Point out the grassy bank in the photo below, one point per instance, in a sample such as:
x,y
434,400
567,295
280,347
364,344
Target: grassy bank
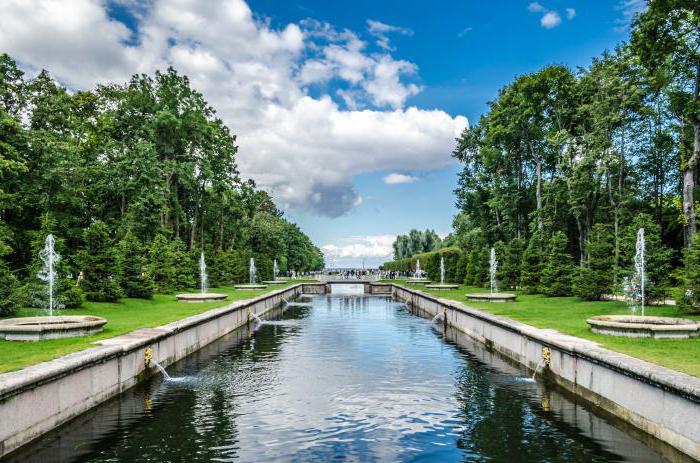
x,y
568,315
122,317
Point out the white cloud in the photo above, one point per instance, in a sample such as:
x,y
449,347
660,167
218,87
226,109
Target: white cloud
x,y
373,249
535,7
629,9
380,31
305,150
396,178
550,20
464,31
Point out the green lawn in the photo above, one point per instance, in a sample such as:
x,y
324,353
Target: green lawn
x,y
568,315
122,317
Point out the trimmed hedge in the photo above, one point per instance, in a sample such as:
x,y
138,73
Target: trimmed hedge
x,y
430,263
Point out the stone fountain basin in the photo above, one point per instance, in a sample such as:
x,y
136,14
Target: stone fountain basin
x,y
444,287
249,287
633,326
40,328
201,297
418,281
491,297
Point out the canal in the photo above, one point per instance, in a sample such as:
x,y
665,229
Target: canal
x,y
343,378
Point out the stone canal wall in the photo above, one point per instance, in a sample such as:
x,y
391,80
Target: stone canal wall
x,y
661,402
41,397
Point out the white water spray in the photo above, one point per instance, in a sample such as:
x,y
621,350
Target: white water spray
x,y
49,257
203,273
275,270
639,265
493,268
418,270
162,370
442,270
251,271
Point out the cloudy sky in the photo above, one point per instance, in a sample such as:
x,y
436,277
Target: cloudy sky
x,y
345,111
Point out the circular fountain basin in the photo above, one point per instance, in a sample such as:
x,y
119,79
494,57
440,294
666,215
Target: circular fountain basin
x,y
418,281
632,326
275,282
40,328
249,287
442,287
491,297
201,297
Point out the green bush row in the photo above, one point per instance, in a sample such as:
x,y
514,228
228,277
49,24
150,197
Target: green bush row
x,y
430,263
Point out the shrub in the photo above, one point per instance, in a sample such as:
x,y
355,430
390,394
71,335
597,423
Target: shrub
x,y
430,263
72,297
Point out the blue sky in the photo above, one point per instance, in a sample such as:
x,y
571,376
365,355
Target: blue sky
x,y
465,51
346,112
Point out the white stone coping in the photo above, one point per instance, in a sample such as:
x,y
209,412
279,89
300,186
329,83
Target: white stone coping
x,y
670,380
14,382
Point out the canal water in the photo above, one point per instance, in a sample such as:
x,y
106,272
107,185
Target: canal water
x,y
346,378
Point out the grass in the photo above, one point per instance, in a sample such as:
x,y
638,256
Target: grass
x,y
568,315
122,317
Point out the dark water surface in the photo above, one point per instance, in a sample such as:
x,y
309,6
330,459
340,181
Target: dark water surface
x,y
348,378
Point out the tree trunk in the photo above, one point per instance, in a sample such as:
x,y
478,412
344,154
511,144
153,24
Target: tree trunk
x,y
689,170
538,188
689,188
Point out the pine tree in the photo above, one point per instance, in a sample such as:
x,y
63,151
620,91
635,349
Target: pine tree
x,y
170,265
559,269
134,280
596,277
533,263
477,267
690,275
98,263
8,284
510,266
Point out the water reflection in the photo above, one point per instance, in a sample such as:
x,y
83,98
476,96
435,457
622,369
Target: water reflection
x,y
348,377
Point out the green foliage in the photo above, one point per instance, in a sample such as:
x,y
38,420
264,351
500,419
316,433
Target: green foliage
x,y
98,264
132,263
510,262
170,267
71,296
558,271
477,273
596,277
533,263
149,157
8,288
657,256
416,242
430,263
690,275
